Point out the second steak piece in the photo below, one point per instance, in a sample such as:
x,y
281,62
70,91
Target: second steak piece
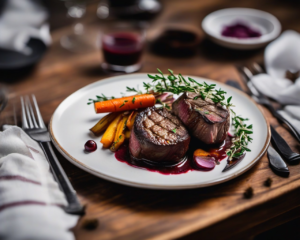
x,y
158,136
207,121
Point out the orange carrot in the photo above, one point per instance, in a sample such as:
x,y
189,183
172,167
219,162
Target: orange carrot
x,y
125,103
131,119
201,153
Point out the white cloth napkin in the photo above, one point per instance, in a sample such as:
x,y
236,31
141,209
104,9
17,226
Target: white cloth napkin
x,y
30,199
21,20
281,55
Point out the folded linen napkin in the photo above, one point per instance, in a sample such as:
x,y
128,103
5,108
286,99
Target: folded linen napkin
x,y
30,200
281,55
21,20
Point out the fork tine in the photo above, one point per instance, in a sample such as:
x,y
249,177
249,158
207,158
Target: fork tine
x,y
15,114
31,112
24,119
37,110
257,68
28,113
248,73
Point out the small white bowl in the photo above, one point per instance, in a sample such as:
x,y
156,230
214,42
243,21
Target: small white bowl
x,y
267,24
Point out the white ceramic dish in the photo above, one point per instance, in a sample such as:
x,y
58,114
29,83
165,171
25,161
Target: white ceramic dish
x,y
266,23
70,124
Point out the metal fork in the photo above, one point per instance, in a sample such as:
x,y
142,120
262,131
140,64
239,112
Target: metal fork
x,y
263,100
281,145
37,130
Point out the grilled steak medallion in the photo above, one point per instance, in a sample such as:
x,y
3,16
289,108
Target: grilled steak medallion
x,y
207,121
158,136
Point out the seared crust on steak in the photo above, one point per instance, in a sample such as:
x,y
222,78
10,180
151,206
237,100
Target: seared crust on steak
x,y
158,136
206,120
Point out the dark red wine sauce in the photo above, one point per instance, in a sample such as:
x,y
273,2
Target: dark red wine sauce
x,y
216,151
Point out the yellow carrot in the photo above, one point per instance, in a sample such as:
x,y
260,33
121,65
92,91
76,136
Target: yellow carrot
x,y
127,134
120,134
109,134
103,123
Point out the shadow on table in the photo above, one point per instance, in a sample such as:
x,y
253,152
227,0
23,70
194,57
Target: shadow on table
x,y
217,53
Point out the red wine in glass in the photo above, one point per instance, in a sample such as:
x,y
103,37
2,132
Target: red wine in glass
x,y
122,48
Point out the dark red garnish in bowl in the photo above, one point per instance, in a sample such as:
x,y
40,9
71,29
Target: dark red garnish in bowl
x,y
240,30
90,146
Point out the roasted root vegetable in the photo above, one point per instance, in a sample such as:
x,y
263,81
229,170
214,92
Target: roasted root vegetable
x,y
103,123
201,153
131,119
109,134
125,103
120,134
127,134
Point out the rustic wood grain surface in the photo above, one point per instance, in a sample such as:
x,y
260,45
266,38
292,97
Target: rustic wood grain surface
x,y
219,212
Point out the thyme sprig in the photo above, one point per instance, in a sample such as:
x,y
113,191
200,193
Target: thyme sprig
x,y
100,99
178,84
241,139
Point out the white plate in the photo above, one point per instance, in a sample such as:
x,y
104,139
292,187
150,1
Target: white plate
x,y
266,23
73,118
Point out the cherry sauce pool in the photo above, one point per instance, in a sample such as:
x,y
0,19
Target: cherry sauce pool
x,y
216,151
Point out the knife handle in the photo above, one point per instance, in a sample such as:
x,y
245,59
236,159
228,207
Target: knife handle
x,y
283,148
276,162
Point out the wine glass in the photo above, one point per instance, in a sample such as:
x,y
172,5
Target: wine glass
x,y
122,44
77,40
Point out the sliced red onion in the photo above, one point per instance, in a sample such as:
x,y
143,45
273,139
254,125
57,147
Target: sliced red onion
x,y
204,163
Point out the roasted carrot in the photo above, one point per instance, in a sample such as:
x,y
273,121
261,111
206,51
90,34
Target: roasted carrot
x,y
103,123
131,119
125,103
109,134
201,153
127,134
120,134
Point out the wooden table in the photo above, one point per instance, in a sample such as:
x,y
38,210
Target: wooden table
x,y
219,212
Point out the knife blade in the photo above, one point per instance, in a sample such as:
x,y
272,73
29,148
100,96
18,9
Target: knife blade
x,y
283,148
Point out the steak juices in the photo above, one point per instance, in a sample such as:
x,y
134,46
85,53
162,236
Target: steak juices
x,y
161,137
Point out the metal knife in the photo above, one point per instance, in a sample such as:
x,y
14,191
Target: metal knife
x,y
274,159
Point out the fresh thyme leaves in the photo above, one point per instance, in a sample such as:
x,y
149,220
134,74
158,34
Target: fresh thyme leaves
x,y
131,89
179,84
174,130
163,104
133,100
241,139
125,101
100,99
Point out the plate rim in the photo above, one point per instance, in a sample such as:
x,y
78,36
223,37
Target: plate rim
x,y
160,186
